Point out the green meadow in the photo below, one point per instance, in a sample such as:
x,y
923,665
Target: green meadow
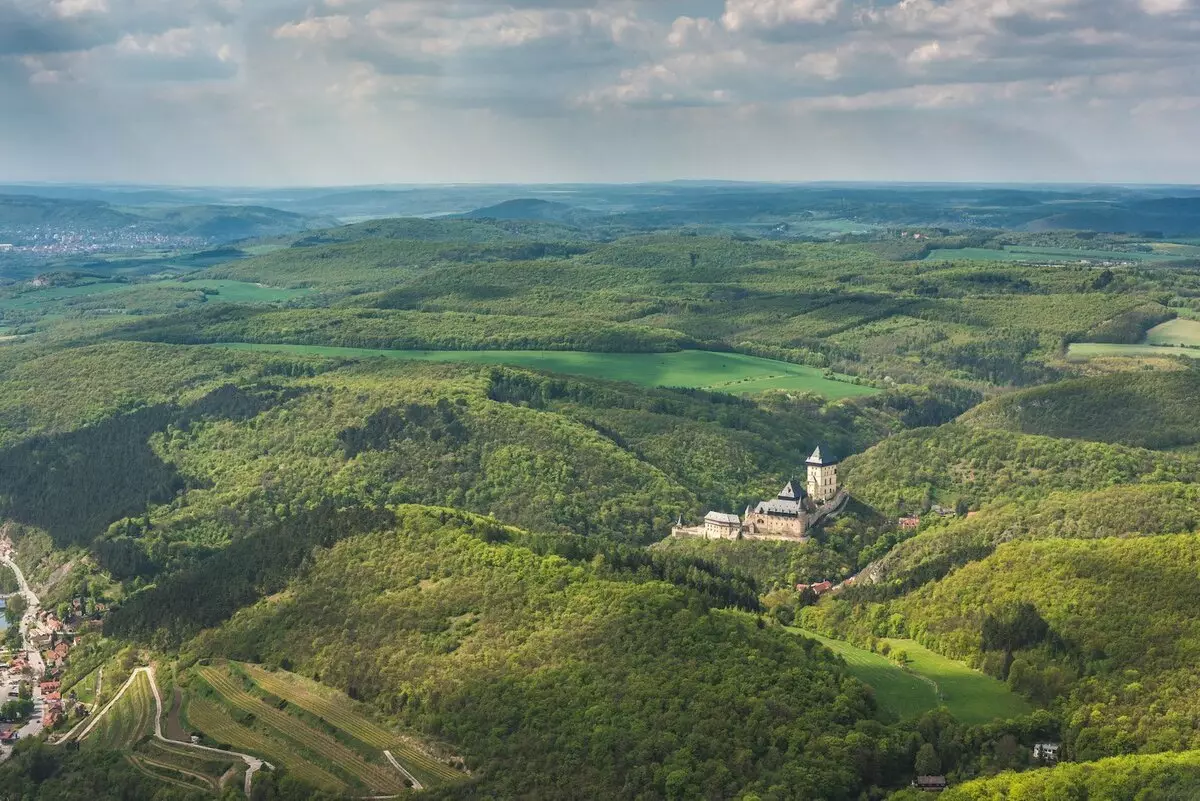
x,y
1092,350
696,369
1179,331
931,680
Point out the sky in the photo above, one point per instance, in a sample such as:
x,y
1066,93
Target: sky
x,y
338,92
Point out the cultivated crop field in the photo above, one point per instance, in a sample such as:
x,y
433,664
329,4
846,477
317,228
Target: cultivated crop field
x,y
316,732
338,710
188,767
1092,350
1179,331
725,372
129,720
1014,253
971,696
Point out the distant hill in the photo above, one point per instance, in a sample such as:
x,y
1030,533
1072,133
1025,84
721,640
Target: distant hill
x,y
1149,410
528,209
28,218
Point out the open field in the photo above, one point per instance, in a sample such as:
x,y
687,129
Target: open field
x,y
129,720
1179,331
696,369
897,690
1015,253
225,290
971,696
1090,350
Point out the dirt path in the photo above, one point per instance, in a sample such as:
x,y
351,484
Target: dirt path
x,y
416,785
253,764
174,725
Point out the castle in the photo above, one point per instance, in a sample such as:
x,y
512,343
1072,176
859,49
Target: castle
x,y
787,516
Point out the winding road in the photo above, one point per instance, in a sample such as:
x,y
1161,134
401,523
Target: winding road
x,y
253,764
34,727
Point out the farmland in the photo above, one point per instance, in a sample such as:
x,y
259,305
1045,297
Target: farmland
x,y
970,696
1092,350
1047,255
129,720
314,732
725,372
1179,331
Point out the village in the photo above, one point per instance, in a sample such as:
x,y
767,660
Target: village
x,y
31,674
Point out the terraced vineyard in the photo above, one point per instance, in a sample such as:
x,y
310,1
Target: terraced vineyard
x,y
338,710
129,720
215,721
349,758
187,767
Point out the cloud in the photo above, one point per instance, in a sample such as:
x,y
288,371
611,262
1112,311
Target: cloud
x,y
400,89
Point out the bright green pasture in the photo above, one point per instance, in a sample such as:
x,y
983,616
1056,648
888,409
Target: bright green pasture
x,y
896,690
725,372
971,696
1175,332
231,291
1092,350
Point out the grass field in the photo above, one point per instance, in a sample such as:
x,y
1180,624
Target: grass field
x,y
130,719
697,369
228,291
1091,350
1015,253
1179,331
970,696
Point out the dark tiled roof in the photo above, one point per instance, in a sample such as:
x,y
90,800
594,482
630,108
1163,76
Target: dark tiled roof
x,y
779,507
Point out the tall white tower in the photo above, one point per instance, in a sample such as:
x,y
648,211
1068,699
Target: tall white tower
x,y
822,477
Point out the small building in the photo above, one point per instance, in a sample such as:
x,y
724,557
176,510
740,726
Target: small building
x,y
8,736
909,523
50,686
933,784
62,650
722,526
822,587
1046,752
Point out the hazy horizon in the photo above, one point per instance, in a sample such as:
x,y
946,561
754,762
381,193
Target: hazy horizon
x,y
282,93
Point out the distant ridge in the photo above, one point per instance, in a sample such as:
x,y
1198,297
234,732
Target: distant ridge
x,y
527,209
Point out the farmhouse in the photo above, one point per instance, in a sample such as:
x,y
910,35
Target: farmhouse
x,y
788,516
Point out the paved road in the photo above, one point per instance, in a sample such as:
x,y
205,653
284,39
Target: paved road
x,y
34,727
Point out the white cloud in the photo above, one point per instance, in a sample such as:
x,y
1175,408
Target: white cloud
x,y
764,14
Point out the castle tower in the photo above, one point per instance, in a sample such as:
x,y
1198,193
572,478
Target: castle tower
x,y
822,477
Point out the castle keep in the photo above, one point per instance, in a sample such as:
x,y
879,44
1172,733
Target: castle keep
x,y
787,516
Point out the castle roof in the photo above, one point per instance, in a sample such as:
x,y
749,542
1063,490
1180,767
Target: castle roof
x,y
794,491
819,460
780,507
723,518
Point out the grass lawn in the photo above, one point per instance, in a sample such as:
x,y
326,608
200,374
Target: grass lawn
x,y
970,696
697,369
1175,332
1091,350
229,291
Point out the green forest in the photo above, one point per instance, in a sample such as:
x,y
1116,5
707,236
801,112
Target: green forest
x,y
473,545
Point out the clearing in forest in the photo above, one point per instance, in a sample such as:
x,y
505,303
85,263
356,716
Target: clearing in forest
x,y
1079,351
971,696
735,373
1179,331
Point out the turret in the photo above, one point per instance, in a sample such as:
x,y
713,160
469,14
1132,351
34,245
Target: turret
x,y
822,477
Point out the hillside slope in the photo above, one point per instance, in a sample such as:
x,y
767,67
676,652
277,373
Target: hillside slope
x,y
1145,409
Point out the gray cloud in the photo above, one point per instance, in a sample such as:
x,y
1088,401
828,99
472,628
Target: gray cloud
x,y
368,90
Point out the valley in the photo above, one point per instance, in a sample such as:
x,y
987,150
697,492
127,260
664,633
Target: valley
x,y
384,510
